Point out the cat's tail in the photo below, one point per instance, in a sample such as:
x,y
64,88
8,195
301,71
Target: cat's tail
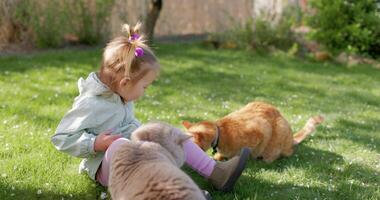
x,y
308,129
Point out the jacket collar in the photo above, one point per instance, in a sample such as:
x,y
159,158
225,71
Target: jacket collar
x,y
93,86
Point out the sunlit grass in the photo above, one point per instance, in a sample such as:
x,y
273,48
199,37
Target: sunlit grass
x,y
342,160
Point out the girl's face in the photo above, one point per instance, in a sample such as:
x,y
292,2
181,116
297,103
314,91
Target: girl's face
x,y
133,92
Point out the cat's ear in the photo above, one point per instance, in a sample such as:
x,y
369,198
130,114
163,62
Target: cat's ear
x,y
186,124
182,138
197,136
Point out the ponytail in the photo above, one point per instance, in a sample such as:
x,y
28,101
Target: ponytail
x,y
123,56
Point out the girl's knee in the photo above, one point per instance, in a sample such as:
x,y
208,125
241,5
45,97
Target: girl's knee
x,y
116,144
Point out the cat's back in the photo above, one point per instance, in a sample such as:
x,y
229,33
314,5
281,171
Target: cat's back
x,y
162,180
143,171
255,110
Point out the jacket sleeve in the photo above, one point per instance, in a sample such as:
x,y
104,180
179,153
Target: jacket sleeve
x,y
79,144
72,135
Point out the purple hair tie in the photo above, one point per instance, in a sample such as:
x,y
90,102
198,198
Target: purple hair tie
x,y
139,52
134,37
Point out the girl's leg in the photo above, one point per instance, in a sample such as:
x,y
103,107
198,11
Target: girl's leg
x,y
197,159
222,175
103,171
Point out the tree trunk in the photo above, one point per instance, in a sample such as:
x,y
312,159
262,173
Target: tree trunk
x,y
154,9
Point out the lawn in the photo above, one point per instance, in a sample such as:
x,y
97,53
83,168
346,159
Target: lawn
x,y
341,161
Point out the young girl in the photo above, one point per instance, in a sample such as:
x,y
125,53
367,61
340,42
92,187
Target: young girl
x,y
102,117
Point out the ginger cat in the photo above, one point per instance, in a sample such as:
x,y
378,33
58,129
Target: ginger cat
x,y
258,126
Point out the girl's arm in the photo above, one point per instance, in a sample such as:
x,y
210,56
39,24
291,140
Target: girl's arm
x,y
72,135
78,144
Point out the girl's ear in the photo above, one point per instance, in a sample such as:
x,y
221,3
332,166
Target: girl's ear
x,y
186,124
124,81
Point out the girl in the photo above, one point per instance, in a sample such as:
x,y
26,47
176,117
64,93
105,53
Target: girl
x,y
102,117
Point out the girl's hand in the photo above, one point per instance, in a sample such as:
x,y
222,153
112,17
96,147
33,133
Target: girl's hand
x,y
104,140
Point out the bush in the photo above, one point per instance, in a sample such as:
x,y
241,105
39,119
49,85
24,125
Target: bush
x,y
46,22
259,35
92,17
347,25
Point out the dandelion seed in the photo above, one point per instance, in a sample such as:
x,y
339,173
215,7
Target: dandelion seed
x,y
39,192
103,195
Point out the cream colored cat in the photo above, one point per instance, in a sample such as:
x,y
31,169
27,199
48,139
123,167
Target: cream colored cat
x,y
258,125
142,169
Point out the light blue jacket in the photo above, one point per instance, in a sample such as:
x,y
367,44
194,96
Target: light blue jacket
x,y
94,111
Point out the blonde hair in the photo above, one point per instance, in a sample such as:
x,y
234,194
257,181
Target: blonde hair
x,y
119,59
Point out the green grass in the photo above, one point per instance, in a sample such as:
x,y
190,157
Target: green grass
x,y
341,161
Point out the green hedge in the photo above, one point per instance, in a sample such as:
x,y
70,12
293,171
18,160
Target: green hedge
x,y
48,21
259,35
347,25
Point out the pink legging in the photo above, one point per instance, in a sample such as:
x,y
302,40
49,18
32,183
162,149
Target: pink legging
x,y
196,158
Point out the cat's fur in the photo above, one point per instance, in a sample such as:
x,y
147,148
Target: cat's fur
x,y
148,167
258,125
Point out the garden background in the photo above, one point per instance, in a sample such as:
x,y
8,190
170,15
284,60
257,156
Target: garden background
x,y
304,57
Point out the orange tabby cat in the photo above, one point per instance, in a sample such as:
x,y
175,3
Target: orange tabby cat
x,y
258,125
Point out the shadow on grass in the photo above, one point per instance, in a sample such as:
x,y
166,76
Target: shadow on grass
x,y
50,59
214,57
367,134
9,193
273,82
322,167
